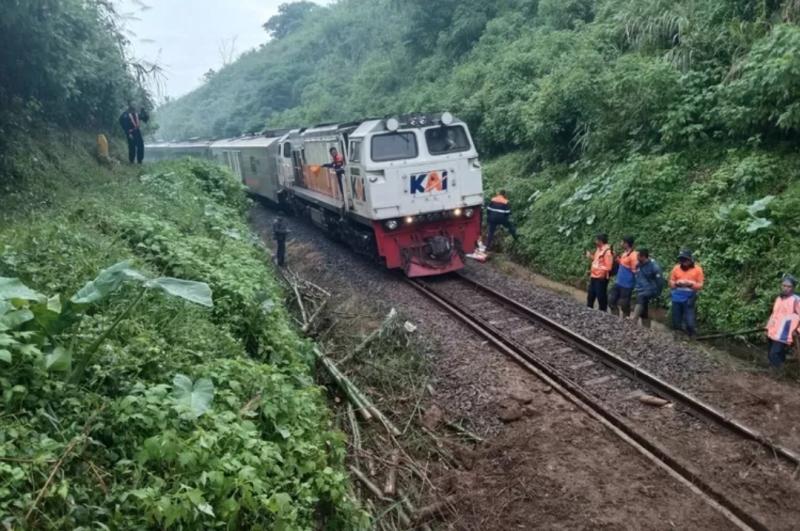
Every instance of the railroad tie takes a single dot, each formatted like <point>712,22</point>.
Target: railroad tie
<point>538,341</point>
<point>581,365</point>
<point>503,321</point>
<point>524,329</point>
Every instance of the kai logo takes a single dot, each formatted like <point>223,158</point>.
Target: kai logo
<point>433,181</point>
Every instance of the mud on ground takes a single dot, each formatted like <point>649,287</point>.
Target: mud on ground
<point>545,464</point>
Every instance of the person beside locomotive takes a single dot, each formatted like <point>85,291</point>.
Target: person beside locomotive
<point>602,261</point>
<point>622,292</point>
<point>498,214</point>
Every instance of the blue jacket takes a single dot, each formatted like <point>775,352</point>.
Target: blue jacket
<point>649,279</point>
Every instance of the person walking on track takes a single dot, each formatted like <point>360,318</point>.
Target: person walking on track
<point>649,285</point>
<point>599,273</point>
<point>622,291</point>
<point>782,327</point>
<point>131,125</point>
<point>498,214</point>
<point>279,233</point>
<point>685,282</point>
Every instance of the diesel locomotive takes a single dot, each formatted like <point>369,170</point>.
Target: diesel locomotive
<point>406,190</point>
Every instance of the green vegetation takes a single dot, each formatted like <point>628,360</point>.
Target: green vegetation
<point>130,400</point>
<point>675,121</point>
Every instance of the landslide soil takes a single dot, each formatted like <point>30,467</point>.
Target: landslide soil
<point>545,464</point>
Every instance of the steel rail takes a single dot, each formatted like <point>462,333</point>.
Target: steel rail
<point>579,397</point>
<point>657,384</point>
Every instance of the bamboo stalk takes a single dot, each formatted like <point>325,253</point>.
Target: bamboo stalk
<point>464,431</point>
<point>367,483</point>
<point>307,326</point>
<point>390,487</point>
<point>342,382</point>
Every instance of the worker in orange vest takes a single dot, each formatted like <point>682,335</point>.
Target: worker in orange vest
<point>685,282</point>
<point>783,324</point>
<point>337,164</point>
<point>622,291</point>
<point>498,214</point>
<point>599,272</point>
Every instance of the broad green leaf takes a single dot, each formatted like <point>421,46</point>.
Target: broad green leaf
<point>58,360</point>
<point>6,340</point>
<point>5,356</point>
<point>106,283</point>
<point>206,508</point>
<point>758,224</point>
<point>197,397</point>
<point>759,206</point>
<point>5,307</point>
<point>196,292</point>
<point>12,288</point>
<point>16,318</point>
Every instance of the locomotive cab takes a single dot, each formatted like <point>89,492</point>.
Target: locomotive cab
<point>418,180</point>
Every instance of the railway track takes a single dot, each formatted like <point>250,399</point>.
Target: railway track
<point>607,387</point>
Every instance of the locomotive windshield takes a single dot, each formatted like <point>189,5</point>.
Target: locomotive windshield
<point>446,139</point>
<point>394,146</point>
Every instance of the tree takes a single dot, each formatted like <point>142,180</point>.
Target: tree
<point>289,18</point>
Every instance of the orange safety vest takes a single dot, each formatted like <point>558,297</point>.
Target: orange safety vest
<point>694,275</point>
<point>602,261</point>
<point>784,320</point>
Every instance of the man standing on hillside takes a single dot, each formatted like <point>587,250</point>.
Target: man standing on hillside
<point>498,214</point>
<point>783,323</point>
<point>599,273</point>
<point>279,232</point>
<point>131,124</point>
<point>622,291</point>
<point>685,282</point>
<point>649,284</point>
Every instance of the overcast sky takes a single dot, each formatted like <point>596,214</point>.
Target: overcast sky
<point>185,35</point>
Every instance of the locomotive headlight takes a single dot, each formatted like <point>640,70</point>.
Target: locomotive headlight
<point>446,118</point>
<point>409,220</point>
<point>457,212</point>
<point>469,212</point>
<point>391,224</point>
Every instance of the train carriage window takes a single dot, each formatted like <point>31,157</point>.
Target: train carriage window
<point>355,151</point>
<point>446,139</point>
<point>394,146</point>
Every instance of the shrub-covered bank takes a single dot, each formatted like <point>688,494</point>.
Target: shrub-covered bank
<point>736,209</point>
<point>183,415</point>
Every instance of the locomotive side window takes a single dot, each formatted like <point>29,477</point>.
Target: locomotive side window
<point>394,146</point>
<point>355,151</point>
<point>446,139</point>
<point>287,150</point>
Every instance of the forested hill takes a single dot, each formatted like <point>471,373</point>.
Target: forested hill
<point>674,120</point>
<point>560,77</point>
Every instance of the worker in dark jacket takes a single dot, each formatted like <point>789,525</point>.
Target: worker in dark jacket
<point>279,232</point>
<point>649,285</point>
<point>131,125</point>
<point>498,214</point>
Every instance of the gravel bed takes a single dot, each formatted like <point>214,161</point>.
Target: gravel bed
<point>676,361</point>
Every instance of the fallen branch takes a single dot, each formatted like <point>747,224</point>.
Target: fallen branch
<point>460,429</point>
<point>429,511</point>
<point>390,317</point>
<point>369,484</point>
<point>731,334</point>
<point>300,303</point>
<point>307,326</point>
<point>351,416</point>
<point>68,450</point>
<point>345,385</point>
<point>390,487</point>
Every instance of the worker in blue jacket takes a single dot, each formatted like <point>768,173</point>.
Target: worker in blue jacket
<point>649,285</point>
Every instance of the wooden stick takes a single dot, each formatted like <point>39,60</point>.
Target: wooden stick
<point>351,416</point>
<point>390,487</point>
<point>342,382</point>
<point>731,334</point>
<point>300,303</point>
<point>307,326</point>
<point>72,444</point>
<point>369,484</point>
<point>464,431</point>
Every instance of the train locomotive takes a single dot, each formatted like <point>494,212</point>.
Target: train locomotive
<point>406,190</point>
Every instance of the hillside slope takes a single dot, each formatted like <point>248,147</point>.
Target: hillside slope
<point>673,121</point>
